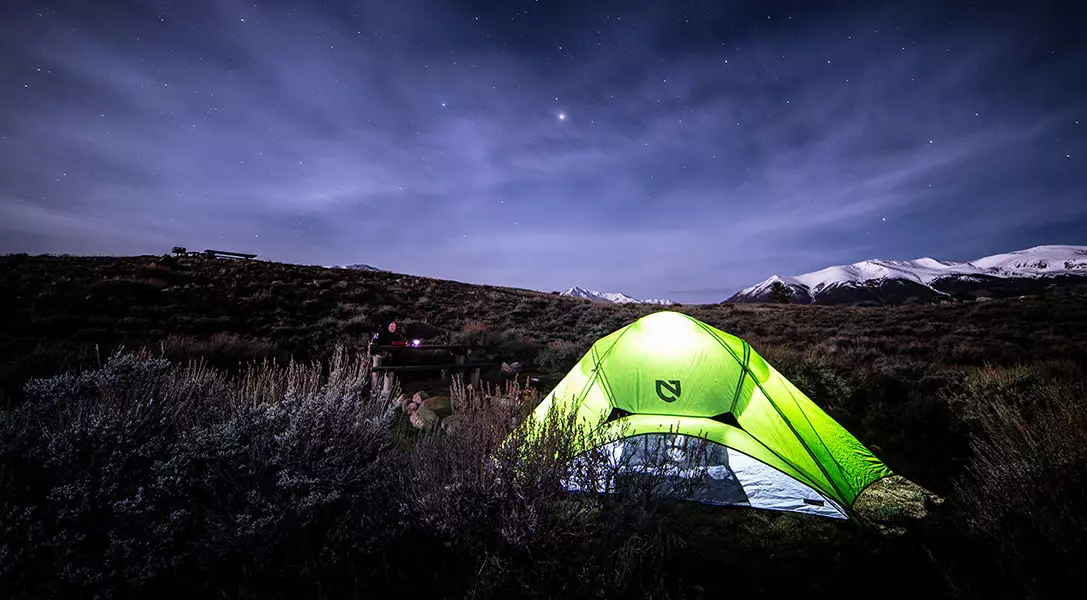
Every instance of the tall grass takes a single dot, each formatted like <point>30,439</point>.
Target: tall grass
<point>1025,491</point>
<point>149,478</point>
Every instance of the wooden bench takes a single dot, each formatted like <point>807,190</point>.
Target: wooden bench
<point>379,370</point>
<point>183,251</point>
<point>475,368</point>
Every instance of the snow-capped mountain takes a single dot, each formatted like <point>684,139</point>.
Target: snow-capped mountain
<point>658,301</point>
<point>1038,261</point>
<point>613,297</point>
<point>896,281</point>
<point>354,267</point>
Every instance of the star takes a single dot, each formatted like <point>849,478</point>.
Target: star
<point>562,116</point>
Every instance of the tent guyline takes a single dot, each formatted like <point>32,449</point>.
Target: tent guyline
<point>649,389</point>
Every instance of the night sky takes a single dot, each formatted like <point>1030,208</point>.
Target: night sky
<point>663,149</point>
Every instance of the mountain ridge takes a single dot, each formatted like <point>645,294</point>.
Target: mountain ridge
<point>883,281</point>
<point>612,297</point>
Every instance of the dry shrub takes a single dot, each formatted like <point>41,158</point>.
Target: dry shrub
<point>496,495</point>
<point>1025,490</point>
<point>492,502</point>
<point>561,356</point>
<point>219,349</point>
<point>145,478</point>
<point>474,327</point>
<point>471,468</point>
<point>475,332</point>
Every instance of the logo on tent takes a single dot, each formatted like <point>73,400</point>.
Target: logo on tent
<point>671,386</point>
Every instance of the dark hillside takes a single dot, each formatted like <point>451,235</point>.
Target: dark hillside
<point>873,365</point>
<point>980,402</point>
<point>61,312</point>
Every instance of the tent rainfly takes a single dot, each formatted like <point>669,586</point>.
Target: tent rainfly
<point>667,380</point>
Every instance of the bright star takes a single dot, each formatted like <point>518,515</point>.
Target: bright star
<point>562,116</point>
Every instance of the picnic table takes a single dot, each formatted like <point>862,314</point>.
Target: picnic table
<point>459,352</point>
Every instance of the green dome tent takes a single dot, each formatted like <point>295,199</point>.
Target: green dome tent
<point>668,379</point>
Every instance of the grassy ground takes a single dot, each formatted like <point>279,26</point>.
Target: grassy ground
<point>63,312</point>
<point>240,482</point>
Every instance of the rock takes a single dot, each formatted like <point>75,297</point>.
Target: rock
<point>438,404</point>
<point>419,397</point>
<point>514,367</point>
<point>423,418</point>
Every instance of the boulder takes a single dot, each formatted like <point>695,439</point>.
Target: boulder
<point>415,401</point>
<point>423,418</point>
<point>511,368</point>
<point>439,404</point>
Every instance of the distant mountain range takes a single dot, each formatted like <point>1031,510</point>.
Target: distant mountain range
<point>612,297</point>
<point>877,281</point>
<point>355,267</point>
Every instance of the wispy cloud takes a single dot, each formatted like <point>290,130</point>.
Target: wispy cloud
<point>430,142</point>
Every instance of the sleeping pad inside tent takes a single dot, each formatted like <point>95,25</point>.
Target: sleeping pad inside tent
<point>672,396</point>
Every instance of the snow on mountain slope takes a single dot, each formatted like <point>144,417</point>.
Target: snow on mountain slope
<point>1032,263</point>
<point>1037,261</point>
<point>921,270</point>
<point>612,297</point>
